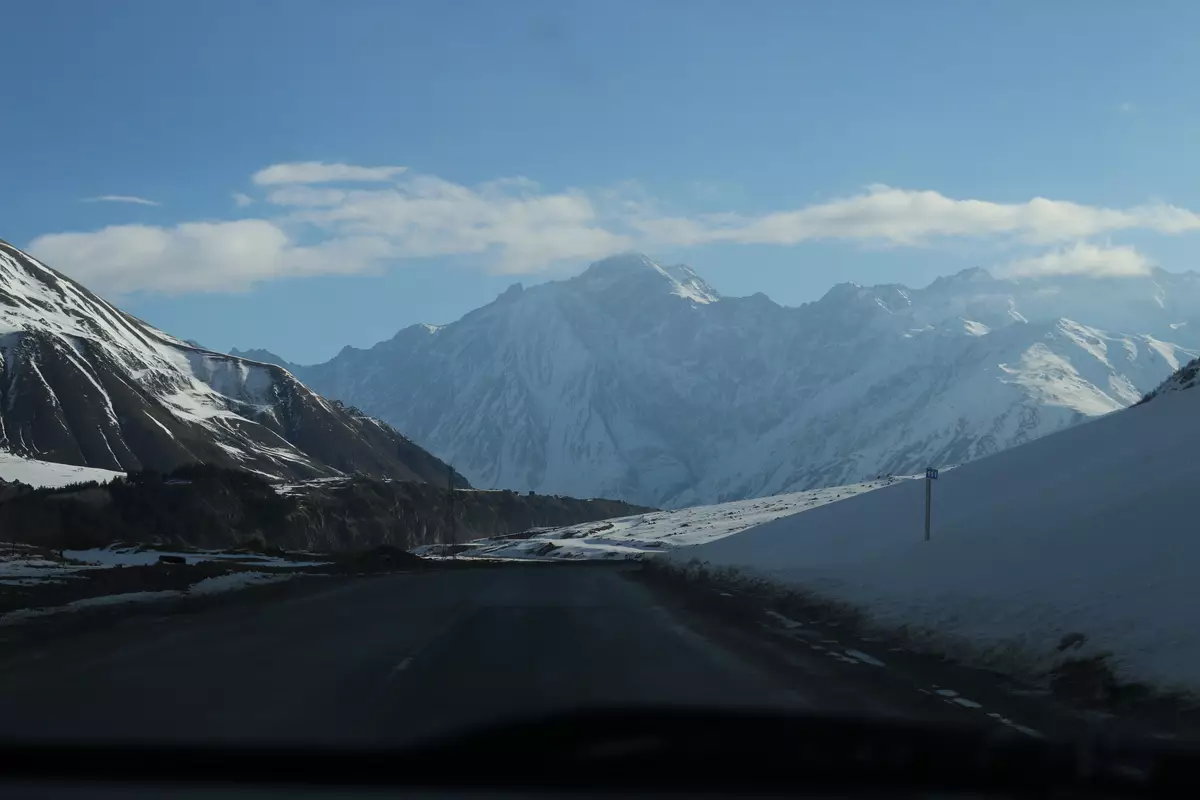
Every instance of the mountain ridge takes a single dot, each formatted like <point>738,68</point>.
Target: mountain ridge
<point>84,383</point>
<point>596,385</point>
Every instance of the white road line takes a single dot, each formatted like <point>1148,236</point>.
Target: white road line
<point>866,659</point>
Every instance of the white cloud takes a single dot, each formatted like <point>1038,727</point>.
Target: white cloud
<point>520,228</point>
<point>908,217</point>
<point>120,198</point>
<point>1081,259</point>
<point>320,172</point>
<point>241,200</point>
<point>302,195</point>
<point>194,256</point>
<point>510,223</point>
<point>515,226</point>
<point>1125,107</point>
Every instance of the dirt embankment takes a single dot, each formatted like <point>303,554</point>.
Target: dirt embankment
<point>212,507</point>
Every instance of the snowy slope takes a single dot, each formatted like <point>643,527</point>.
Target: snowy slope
<point>83,383</point>
<point>1089,531</point>
<point>639,381</point>
<point>30,471</point>
<point>654,532</point>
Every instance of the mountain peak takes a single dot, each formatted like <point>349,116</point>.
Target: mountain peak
<point>624,262</point>
<point>840,291</point>
<point>262,356</point>
<point>628,270</point>
<point>965,276</point>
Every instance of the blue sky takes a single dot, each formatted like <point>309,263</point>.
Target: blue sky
<point>775,146</point>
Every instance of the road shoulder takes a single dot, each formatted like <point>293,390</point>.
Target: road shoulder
<point>800,641</point>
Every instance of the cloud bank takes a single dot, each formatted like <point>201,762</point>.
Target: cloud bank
<point>317,218</point>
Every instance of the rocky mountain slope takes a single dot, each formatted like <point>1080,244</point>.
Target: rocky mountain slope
<point>1186,377</point>
<point>83,383</point>
<point>639,381</point>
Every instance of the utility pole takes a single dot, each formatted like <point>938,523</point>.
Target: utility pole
<point>930,476</point>
<point>448,545</point>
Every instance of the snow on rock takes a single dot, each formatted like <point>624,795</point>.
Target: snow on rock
<point>1087,531</point>
<point>638,381</point>
<point>32,472</point>
<point>973,328</point>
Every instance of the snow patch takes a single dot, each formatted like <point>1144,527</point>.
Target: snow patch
<point>237,580</point>
<point>48,474</point>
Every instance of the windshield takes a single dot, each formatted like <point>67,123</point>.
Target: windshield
<point>376,371</point>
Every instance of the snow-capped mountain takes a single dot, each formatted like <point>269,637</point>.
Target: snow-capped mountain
<point>83,383</point>
<point>640,381</point>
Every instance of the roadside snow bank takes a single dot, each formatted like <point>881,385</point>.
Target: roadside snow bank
<point>1090,530</point>
<point>236,580</point>
<point>209,586</point>
<point>137,555</point>
<point>25,614</point>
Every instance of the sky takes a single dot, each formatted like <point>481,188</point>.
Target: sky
<point>301,176</point>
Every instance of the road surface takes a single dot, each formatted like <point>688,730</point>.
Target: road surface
<point>400,658</point>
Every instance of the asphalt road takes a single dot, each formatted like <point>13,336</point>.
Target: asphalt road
<point>404,657</point>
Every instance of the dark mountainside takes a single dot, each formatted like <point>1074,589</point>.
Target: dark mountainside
<point>83,383</point>
<point>211,507</point>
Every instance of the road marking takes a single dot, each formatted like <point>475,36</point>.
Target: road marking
<point>403,665</point>
<point>831,647</point>
<point>786,622</point>
<point>1006,721</point>
<point>866,659</point>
